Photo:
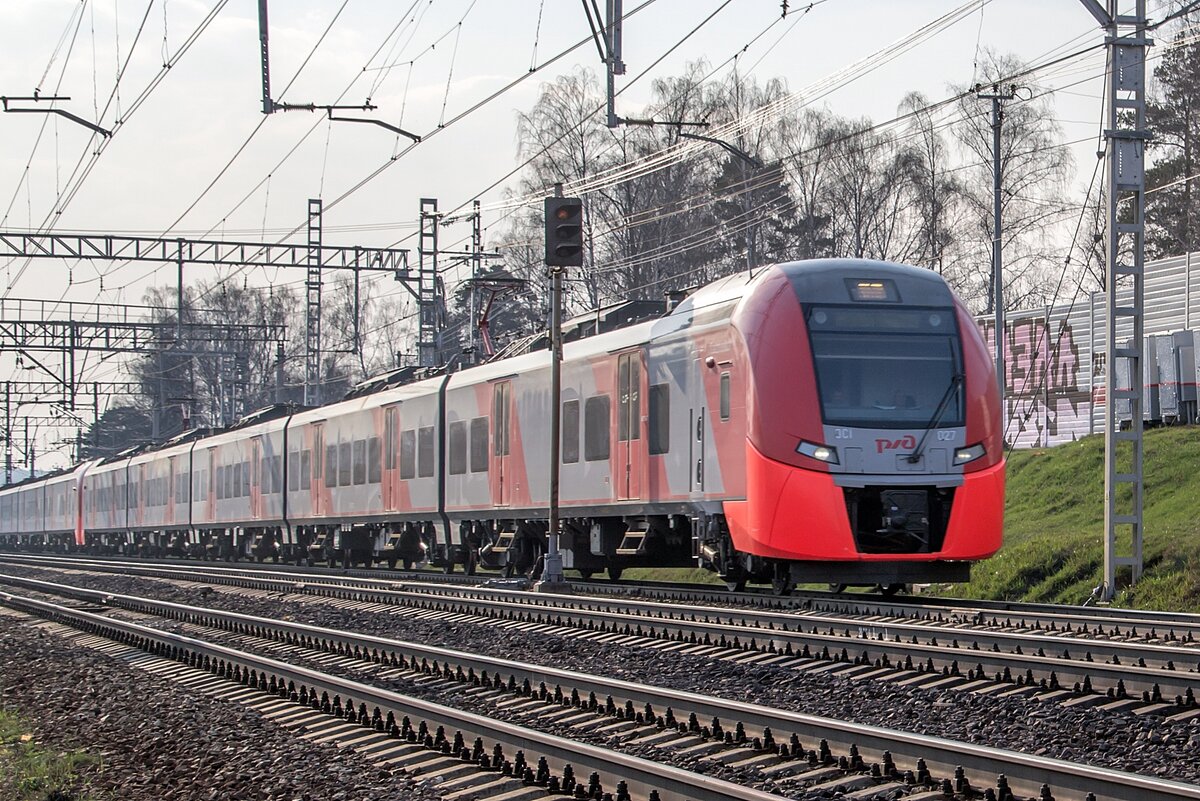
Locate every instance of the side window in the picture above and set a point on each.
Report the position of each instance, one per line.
(374, 472)
(220, 478)
(425, 452)
(345, 464)
(306, 469)
(595, 428)
(360, 461)
(265, 485)
(479, 445)
(570, 432)
(277, 473)
(408, 454)
(331, 473)
(245, 479)
(660, 418)
(457, 456)
(725, 396)
(293, 469)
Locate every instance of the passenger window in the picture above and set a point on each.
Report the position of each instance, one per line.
(293, 468)
(345, 465)
(360, 461)
(595, 428)
(660, 418)
(457, 456)
(479, 445)
(331, 473)
(570, 432)
(725, 396)
(408, 454)
(425, 452)
(374, 469)
(306, 469)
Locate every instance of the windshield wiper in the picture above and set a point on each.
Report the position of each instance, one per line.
(955, 382)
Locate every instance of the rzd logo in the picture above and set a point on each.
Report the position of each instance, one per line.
(908, 442)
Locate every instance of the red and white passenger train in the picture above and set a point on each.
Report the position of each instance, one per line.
(831, 421)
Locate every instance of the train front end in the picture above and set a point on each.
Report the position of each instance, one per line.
(874, 450)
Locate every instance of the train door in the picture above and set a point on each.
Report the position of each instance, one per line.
(391, 446)
(630, 463)
(256, 478)
(500, 473)
(319, 467)
(697, 421)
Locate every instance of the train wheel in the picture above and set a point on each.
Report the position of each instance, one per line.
(737, 584)
(510, 569)
(586, 574)
(391, 563)
(448, 568)
(614, 572)
(890, 590)
(837, 588)
(782, 583)
(472, 561)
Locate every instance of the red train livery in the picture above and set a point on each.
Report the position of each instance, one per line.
(831, 421)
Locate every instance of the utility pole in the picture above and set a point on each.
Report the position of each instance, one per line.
(997, 97)
(427, 284)
(476, 263)
(8, 432)
(1126, 135)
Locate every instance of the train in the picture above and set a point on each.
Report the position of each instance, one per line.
(833, 421)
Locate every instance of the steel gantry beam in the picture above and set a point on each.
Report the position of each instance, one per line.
(123, 337)
(106, 247)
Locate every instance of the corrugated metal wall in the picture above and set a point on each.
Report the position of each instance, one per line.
(1054, 356)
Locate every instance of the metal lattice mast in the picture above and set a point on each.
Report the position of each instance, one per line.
(427, 294)
(312, 315)
(1126, 134)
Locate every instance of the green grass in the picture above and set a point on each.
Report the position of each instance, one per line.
(1054, 526)
(30, 771)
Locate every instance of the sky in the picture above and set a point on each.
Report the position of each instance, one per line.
(198, 158)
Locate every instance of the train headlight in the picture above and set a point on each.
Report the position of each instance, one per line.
(822, 453)
(964, 455)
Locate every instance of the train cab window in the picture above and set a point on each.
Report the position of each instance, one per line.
(596, 427)
(408, 454)
(425, 452)
(726, 395)
(306, 469)
(457, 456)
(345, 464)
(374, 468)
(660, 418)
(331, 473)
(293, 471)
(360, 461)
(479, 445)
(570, 432)
(886, 368)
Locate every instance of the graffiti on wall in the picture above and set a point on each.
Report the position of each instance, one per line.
(1048, 396)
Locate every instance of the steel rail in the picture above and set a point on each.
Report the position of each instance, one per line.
(642, 776)
(870, 643)
(1025, 773)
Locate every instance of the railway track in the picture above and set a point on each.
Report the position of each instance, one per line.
(800, 752)
(1074, 666)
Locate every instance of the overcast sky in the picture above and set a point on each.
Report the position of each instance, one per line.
(447, 55)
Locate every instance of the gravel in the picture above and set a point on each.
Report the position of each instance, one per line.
(178, 745)
(1121, 741)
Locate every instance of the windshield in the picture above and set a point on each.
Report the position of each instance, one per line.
(885, 368)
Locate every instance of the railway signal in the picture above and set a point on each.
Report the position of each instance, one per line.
(564, 232)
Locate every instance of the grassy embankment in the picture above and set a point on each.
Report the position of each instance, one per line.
(30, 771)
(1054, 528)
